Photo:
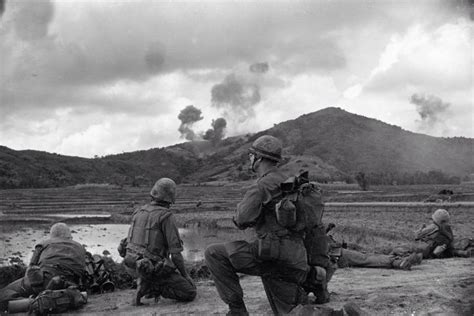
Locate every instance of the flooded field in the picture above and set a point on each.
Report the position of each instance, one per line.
(19, 241)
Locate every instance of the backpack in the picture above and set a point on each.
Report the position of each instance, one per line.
(57, 301)
(301, 210)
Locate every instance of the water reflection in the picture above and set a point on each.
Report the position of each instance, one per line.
(101, 237)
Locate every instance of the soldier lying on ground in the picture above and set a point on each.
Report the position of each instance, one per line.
(435, 240)
(344, 257)
(152, 250)
(57, 263)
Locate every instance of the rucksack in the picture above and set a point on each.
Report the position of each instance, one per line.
(301, 210)
(57, 301)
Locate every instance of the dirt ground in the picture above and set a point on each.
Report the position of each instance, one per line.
(436, 287)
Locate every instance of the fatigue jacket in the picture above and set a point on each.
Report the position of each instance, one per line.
(435, 235)
(153, 233)
(257, 207)
(60, 257)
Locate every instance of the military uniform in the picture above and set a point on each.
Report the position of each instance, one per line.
(53, 257)
(154, 235)
(283, 274)
(435, 235)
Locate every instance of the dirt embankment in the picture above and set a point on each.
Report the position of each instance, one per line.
(436, 287)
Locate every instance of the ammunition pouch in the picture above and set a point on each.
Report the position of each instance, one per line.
(269, 247)
(287, 250)
(58, 301)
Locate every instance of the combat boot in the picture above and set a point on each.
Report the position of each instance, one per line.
(237, 309)
(406, 262)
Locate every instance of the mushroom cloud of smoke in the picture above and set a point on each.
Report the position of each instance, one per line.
(429, 107)
(259, 68)
(236, 96)
(188, 116)
(217, 132)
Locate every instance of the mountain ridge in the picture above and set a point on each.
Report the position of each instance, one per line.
(332, 143)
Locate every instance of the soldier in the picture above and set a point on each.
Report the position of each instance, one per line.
(344, 257)
(437, 237)
(434, 240)
(153, 248)
(57, 263)
(277, 255)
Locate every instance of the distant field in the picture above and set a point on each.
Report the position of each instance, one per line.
(373, 220)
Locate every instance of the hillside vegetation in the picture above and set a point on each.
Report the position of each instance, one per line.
(334, 145)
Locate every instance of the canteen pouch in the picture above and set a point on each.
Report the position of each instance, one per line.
(285, 212)
(268, 247)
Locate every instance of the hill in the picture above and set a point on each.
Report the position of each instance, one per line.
(332, 143)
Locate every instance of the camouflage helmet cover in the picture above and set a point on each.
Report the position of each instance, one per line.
(164, 190)
(60, 230)
(440, 215)
(267, 146)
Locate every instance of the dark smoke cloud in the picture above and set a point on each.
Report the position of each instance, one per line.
(259, 68)
(188, 116)
(217, 132)
(2, 7)
(155, 56)
(236, 96)
(429, 107)
(32, 19)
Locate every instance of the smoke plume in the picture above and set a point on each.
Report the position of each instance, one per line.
(155, 56)
(2, 7)
(259, 68)
(430, 108)
(32, 19)
(217, 132)
(188, 116)
(236, 96)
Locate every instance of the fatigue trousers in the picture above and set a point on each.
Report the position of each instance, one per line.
(282, 284)
(170, 285)
(352, 258)
(21, 288)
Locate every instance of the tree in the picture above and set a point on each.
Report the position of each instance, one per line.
(362, 181)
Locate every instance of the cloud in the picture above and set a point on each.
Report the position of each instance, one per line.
(188, 116)
(259, 67)
(97, 60)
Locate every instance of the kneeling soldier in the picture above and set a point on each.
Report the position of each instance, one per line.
(153, 249)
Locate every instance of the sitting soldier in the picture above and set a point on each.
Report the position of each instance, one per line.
(153, 249)
(57, 262)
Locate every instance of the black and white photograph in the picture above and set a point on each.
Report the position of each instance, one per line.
(237, 157)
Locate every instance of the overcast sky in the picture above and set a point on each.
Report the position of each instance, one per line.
(96, 77)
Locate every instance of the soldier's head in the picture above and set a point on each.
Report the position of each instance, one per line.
(265, 150)
(61, 231)
(164, 190)
(441, 217)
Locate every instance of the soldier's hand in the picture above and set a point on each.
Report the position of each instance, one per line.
(190, 280)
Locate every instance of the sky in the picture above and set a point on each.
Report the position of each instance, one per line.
(97, 77)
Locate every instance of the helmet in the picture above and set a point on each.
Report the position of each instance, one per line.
(440, 215)
(164, 190)
(268, 147)
(60, 230)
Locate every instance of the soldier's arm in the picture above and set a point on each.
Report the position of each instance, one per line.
(424, 232)
(36, 255)
(175, 245)
(249, 209)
